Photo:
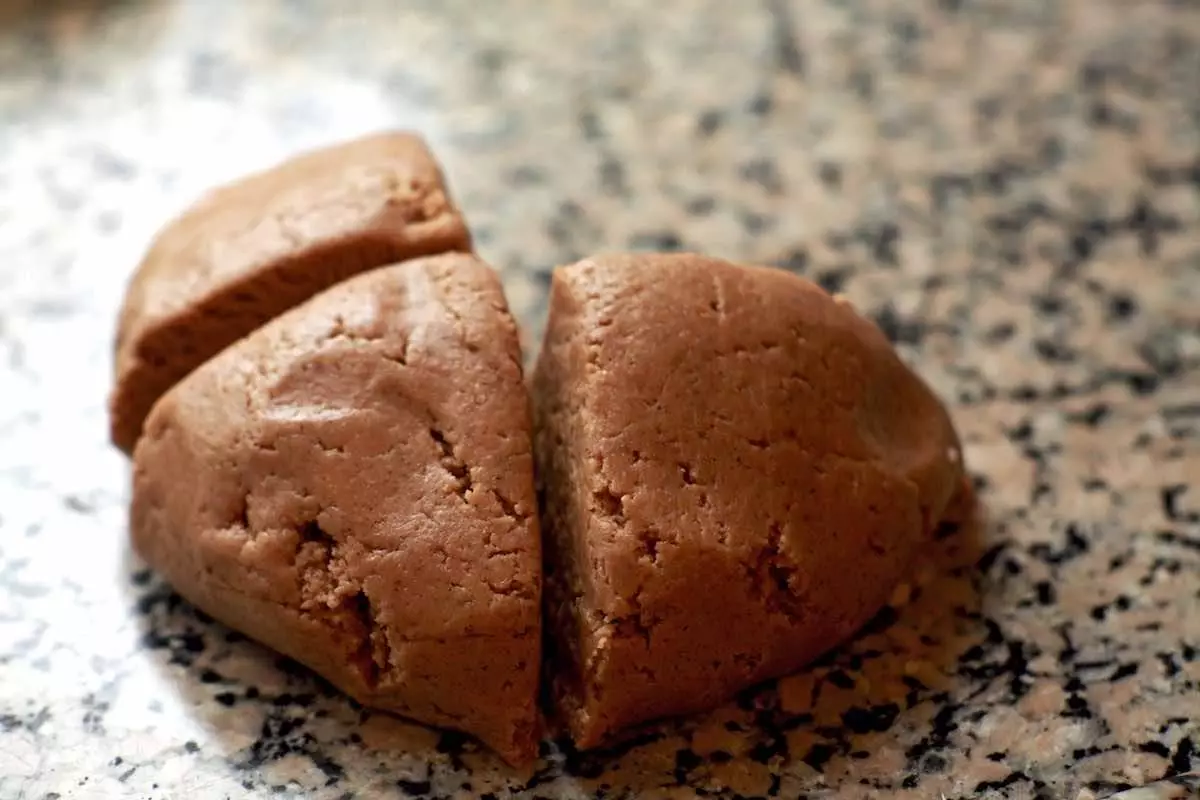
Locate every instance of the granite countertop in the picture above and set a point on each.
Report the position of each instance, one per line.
(1012, 189)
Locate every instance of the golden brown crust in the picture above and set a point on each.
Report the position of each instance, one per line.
(352, 484)
(737, 470)
(255, 248)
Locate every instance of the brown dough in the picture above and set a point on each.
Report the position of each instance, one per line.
(737, 469)
(253, 249)
(352, 484)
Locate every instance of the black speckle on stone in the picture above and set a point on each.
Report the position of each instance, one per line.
(832, 280)
(990, 557)
(1077, 708)
(830, 174)
(944, 186)
(1179, 540)
(786, 50)
(141, 577)
(1100, 114)
(225, 698)
(451, 743)
(883, 243)
(527, 175)
(1121, 307)
(763, 172)
(1053, 352)
(1155, 748)
(657, 241)
(933, 763)
(701, 206)
(1161, 354)
(755, 223)
(1076, 545)
(1082, 246)
(794, 261)
(840, 679)
(709, 121)
(1015, 776)
(210, 676)
(190, 746)
(1124, 671)
(999, 333)
(909, 782)
(761, 104)
(897, 329)
(686, 760)
(1024, 393)
(874, 719)
(818, 755)
(192, 642)
(1183, 757)
(612, 176)
(413, 788)
(1047, 304)
(1148, 224)
(1092, 416)
(78, 504)
(1021, 433)
(589, 125)
(862, 83)
(1045, 593)
(1142, 383)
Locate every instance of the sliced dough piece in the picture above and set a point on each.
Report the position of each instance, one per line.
(352, 484)
(737, 471)
(255, 248)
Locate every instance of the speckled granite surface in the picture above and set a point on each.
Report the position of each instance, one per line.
(1011, 188)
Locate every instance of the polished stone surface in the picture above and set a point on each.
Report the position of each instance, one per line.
(1011, 188)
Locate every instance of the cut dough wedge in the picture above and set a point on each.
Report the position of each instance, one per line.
(737, 470)
(352, 484)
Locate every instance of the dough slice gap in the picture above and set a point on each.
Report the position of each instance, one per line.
(352, 484)
(737, 470)
(249, 251)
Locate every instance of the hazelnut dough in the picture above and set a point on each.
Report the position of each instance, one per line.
(737, 470)
(255, 248)
(352, 484)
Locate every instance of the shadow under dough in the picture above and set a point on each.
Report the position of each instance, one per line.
(876, 695)
(865, 710)
(237, 689)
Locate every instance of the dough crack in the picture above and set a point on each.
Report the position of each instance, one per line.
(452, 463)
(773, 576)
(328, 592)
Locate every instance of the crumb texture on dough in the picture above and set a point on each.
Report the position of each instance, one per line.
(353, 485)
(737, 470)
